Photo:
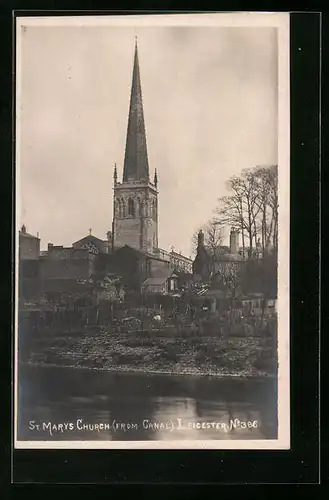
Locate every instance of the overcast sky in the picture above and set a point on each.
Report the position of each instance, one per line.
(210, 107)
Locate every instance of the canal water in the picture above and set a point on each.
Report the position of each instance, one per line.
(67, 404)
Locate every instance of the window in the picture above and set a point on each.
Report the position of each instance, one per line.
(131, 207)
(138, 212)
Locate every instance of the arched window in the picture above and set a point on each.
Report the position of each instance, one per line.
(138, 207)
(131, 207)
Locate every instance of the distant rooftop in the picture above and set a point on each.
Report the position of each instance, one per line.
(23, 233)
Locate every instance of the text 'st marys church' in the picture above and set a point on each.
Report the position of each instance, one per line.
(135, 199)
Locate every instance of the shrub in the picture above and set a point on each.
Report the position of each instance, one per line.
(265, 361)
(170, 354)
(200, 356)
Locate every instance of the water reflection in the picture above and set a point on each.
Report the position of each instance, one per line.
(105, 406)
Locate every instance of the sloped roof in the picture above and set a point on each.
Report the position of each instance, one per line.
(197, 291)
(181, 256)
(156, 257)
(89, 237)
(28, 235)
(154, 281)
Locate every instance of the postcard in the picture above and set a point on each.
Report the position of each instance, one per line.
(152, 164)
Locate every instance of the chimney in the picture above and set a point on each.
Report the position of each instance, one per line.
(234, 241)
(200, 239)
(109, 236)
(50, 247)
(23, 229)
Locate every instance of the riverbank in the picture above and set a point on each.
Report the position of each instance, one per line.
(246, 357)
(182, 373)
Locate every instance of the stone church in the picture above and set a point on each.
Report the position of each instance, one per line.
(132, 246)
(135, 221)
(135, 201)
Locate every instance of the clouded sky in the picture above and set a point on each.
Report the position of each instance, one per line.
(210, 107)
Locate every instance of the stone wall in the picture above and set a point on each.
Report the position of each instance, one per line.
(127, 232)
(66, 268)
(136, 216)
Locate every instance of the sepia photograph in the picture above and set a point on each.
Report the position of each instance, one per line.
(152, 232)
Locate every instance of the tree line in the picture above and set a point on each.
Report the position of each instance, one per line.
(251, 207)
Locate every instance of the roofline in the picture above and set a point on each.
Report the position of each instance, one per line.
(88, 236)
(28, 235)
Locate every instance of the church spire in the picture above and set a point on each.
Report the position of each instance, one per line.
(136, 166)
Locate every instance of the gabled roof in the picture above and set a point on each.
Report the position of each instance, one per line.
(28, 235)
(24, 234)
(91, 238)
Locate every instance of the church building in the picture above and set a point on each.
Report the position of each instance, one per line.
(135, 225)
(135, 200)
(131, 249)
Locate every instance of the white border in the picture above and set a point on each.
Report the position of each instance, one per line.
(245, 19)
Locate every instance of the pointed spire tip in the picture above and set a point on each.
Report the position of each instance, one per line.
(136, 161)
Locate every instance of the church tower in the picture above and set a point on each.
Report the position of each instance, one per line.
(135, 201)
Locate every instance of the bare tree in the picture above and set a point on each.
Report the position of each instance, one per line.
(266, 179)
(230, 212)
(237, 209)
(274, 202)
(231, 279)
(195, 240)
(252, 207)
